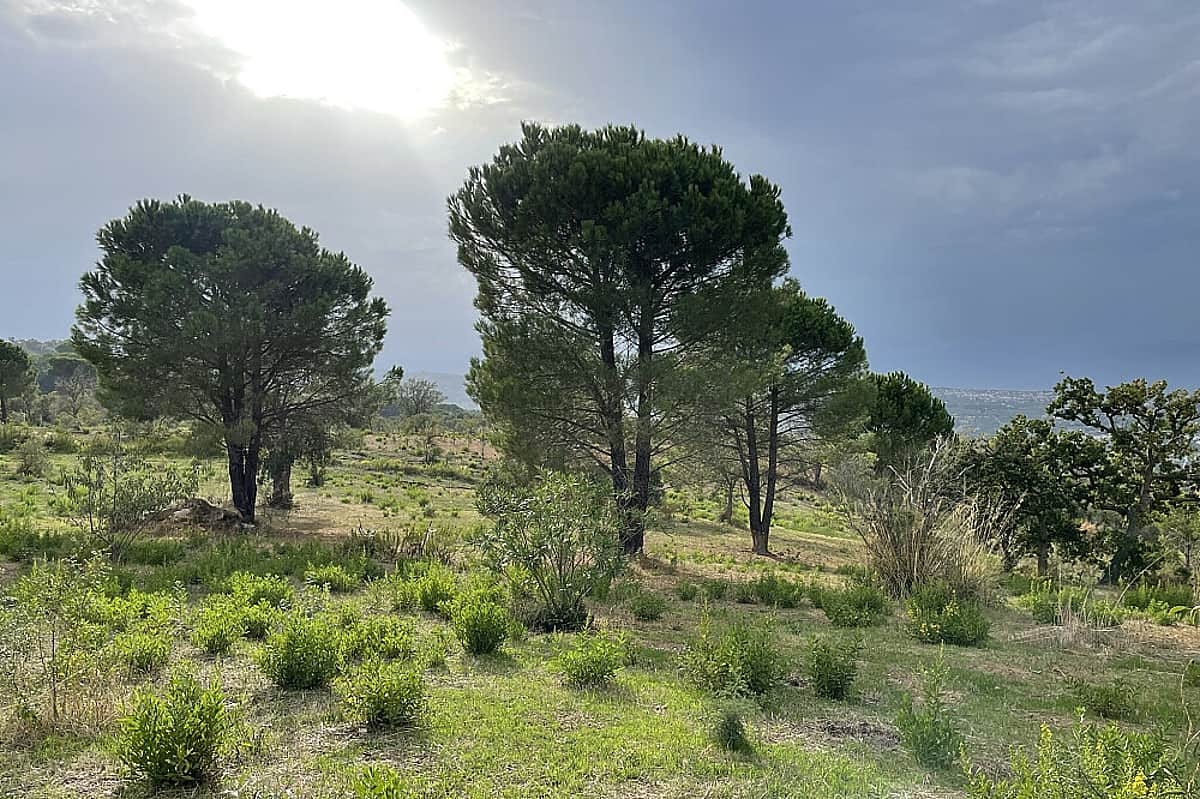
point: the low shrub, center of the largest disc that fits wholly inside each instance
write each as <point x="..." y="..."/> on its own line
<point x="853" y="606"/>
<point x="927" y="729"/>
<point x="771" y="589"/>
<point x="728" y="729"/>
<point x="1091" y="763"/>
<point x="435" y="587"/>
<point x="714" y="588"/>
<point x="647" y="606"/>
<point x="1191" y="674"/>
<point x="831" y="665"/>
<point x="331" y="576"/>
<point x="936" y="615"/>
<point x="32" y="458"/>
<point x="383" y="693"/>
<point x="737" y="660"/>
<point x="155" y="552"/>
<point x="254" y="589"/>
<point x="173" y="738"/>
<point x="11" y="436"/>
<point x="302" y="653"/>
<point x="1145" y="595"/>
<point x="1113" y="700"/>
<point x="61" y="442"/>
<point x="686" y="590"/>
<point x="435" y="647"/>
<point x="218" y="626"/>
<point x="258" y="620"/>
<point x="479" y="622"/>
<point x="378" y="637"/>
<point x="592" y="660"/>
<point x="141" y="652"/>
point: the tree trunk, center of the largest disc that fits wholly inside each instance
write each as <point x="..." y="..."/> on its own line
<point x="1043" y="559"/>
<point x="727" y="513"/>
<point x="243" y="478"/>
<point x="612" y="410"/>
<point x="281" y="482"/>
<point x="3" y="410"/>
<point x="635" y="537"/>
<point x="763" y="545"/>
<point x="753" y="479"/>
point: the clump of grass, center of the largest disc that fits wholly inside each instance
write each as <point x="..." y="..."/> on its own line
<point x="479" y="622"/>
<point x="384" y="637"/>
<point x="173" y="738"/>
<point x="714" y="588"/>
<point x="1113" y="700"/>
<point x="728" y="729"/>
<point x="141" y="652"/>
<point x="647" y="606"/>
<point x="592" y="660"/>
<point x="218" y="626"/>
<point x="686" y="590"/>
<point x="253" y="589"/>
<point x="831" y="666"/>
<point x="854" y="606"/>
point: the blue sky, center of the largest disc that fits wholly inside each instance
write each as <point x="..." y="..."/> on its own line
<point x="993" y="192"/>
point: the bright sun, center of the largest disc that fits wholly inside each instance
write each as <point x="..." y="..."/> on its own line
<point x="366" y="54"/>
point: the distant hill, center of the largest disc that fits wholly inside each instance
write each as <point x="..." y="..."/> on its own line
<point x="982" y="411"/>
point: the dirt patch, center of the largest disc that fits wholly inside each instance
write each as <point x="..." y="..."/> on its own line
<point x="833" y="732"/>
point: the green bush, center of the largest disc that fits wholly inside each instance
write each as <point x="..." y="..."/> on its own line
<point x="11" y="436"/>
<point x="142" y="652"/>
<point x="258" y="620"/>
<point x="173" y="739"/>
<point x="302" y="653"/>
<point x="853" y="606"/>
<point x="429" y="592"/>
<point x="1092" y="763"/>
<point x="592" y="660"/>
<point x="383" y="693"/>
<point x="647" y="606"/>
<point x="739" y="659"/>
<point x="218" y="626"/>
<point x="385" y="637"/>
<point x="728" y="729"/>
<point x="32" y="459"/>
<point x="771" y="589"/>
<point x="831" y="665"/>
<point x="1191" y="674"/>
<point x="556" y="539"/>
<point x="1113" y="700"/>
<point x="332" y="576"/>
<point x="61" y="442"/>
<point x="714" y="588"/>
<point x="927" y="729"/>
<point x="936" y="615"/>
<point x="1172" y="595"/>
<point x="155" y="552"/>
<point x="686" y="590"/>
<point x="254" y="589"/>
<point x="479" y="622"/>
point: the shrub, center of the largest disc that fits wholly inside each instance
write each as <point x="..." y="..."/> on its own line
<point x="253" y="589"/>
<point x="32" y="459"/>
<point x="142" y="652"/>
<point x="331" y="576"/>
<point x="647" y="606"/>
<point x="218" y="626"/>
<point x="557" y="539"/>
<point x="729" y="729"/>
<point x="831" y="666"/>
<point x="1114" y="700"/>
<point x="479" y="622"/>
<point x="1069" y="606"/>
<point x="737" y="660"/>
<point x="936" y="615"/>
<point x="258" y="620"/>
<point x="770" y="589"/>
<point x="62" y="442"/>
<point x="300" y="654"/>
<point x="435" y="647"/>
<point x="592" y="659"/>
<point x="429" y="592"/>
<point x="383" y="693"/>
<point x="854" y="606"/>
<point x="1092" y="763"/>
<point x="1142" y="596"/>
<point x="173" y="739"/>
<point x="686" y="590"/>
<point x="11" y="436"/>
<point x="383" y="637"/>
<point x="927" y="729"/>
<point x="714" y="588"/>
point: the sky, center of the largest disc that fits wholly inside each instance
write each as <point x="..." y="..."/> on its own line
<point x="992" y="192"/>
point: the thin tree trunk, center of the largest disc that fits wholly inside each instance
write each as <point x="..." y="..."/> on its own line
<point x="763" y="544"/>
<point x="612" y="410"/>
<point x="1043" y="559"/>
<point x="3" y="410"/>
<point x="727" y="513"/>
<point x="753" y="479"/>
<point x="635" y="538"/>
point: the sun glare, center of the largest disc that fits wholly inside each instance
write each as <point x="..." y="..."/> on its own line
<point x="365" y="54"/>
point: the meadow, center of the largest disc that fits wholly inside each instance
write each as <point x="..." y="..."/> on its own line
<point x="382" y="552"/>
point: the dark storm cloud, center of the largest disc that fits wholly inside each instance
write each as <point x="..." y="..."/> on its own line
<point x="992" y="192"/>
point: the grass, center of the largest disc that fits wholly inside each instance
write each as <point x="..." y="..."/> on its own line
<point x="506" y="725"/>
